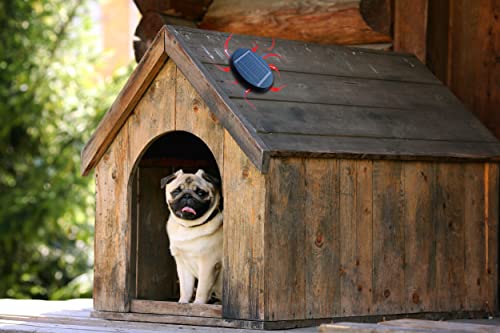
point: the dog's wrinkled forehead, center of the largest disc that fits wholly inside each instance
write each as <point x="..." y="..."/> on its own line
<point x="190" y="181"/>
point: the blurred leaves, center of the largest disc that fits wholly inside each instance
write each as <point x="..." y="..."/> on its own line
<point x="51" y="99"/>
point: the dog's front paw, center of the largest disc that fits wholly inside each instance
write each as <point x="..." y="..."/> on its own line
<point x="200" y="301"/>
<point x="183" y="301"/>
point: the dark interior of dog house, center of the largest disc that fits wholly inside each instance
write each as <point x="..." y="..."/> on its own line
<point x="155" y="276"/>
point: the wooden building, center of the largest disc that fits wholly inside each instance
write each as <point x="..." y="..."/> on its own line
<point x="363" y="188"/>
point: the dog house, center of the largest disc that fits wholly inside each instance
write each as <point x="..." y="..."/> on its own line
<point x="361" y="189"/>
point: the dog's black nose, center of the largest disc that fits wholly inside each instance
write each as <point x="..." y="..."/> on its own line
<point x="187" y="196"/>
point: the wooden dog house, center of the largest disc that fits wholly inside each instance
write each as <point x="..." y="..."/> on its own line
<point x="361" y="189"/>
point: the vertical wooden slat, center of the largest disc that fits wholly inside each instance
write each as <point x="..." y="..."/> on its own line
<point x="449" y="210"/>
<point x="112" y="230"/>
<point x="356" y="237"/>
<point x="156" y="270"/>
<point x="463" y="52"/>
<point x="132" y="274"/>
<point x="154" y="114"/>
<point x="474" y="234"/>
<point x="491" y="238"/>
<point x="193" y="115"/>
<point x="474" y="50"/>
<point x="322" y="239"/>
<point x="244" y="214"/>
<point x="420" y="239"/>
<point x="284" y="240"/>
<point x="388" y="238"/>
<point x="438" y="38"/>
<point x="410" y="27"/>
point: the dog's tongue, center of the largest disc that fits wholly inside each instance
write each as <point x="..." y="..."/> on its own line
<point x="189" y="210"/>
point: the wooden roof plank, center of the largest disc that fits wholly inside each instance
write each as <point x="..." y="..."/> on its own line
<point x="124" y="104"/>
<point x="356" y="121"/>
<point x="208" y="47"/>
<point x="286" y="145"/>
<point x="327" y="89"/>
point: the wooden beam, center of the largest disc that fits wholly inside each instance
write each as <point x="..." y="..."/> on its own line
<point x="410" y="27"/>
<point x="350" y="22"/>
<point x="188" y="9"/>
<point x="377" y="14"/>
<point x="338" y="22"/>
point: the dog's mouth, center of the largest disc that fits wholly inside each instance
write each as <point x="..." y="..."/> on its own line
<point x="188" y="210"/>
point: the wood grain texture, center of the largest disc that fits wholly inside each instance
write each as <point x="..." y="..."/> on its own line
<point x="463" y="52"/>
<point x="326" y="89"/>
<point x="491" y="239"/>
<point x="174" y="308"/>
<point x="244" y="218"/>
<point x="474" y="48"/>
<point x="311" y="58"/>
<point x="284" y="239"/>
<point x="282" y="145"/>
<point x="192" y="115"/>
<point x="476" y="287"/>
<point x="439" y="326"/>
<point x="356" y="231"/>
<point x="124" y="104"/>
<point x="112" y="229"/>
<point x="410" y="27"/>
<point x="357" y="121"/>
<point x="449" y="207"/>
<point x="419" y="181"/>
<point x="322" y="238"/>
<point x="407" y="326"/>
<point x="188" y="9"/>
<point x="388" y="237"/>
<point x="174" y="319"/>
<point x="317" y="21"/>
<point x="154" y="115"/>
<point x="378" y="14"/>
<point x="438" y="38"/>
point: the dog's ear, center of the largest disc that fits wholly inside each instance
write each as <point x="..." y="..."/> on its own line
<point x="209" y="178"/>
<point x="168" y="179"/>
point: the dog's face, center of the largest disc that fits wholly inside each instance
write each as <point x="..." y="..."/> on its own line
<point x="189" y="196"/>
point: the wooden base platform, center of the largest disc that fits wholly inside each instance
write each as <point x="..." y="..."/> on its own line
<point x="75" y="316"/>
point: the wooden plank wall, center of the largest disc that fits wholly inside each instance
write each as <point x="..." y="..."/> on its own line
<point x="357" y="237"/>
<point x="114" y="283"/>
<point x="171" y="103"/>
<point x="244" y="213"/>
<point x="458" y="39"/>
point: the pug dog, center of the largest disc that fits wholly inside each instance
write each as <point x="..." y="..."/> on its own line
<point x="194" y="229"/>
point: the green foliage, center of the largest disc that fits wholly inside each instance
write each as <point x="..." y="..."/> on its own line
<point x="51" y="100"/>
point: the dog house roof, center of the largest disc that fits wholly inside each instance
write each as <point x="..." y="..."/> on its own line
<point x="334" y="102"/>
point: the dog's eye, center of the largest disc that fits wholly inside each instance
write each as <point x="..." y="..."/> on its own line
<point x="201" y="193"/>
<point x="176" y="191"/>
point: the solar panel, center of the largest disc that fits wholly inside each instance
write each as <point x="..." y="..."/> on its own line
<point x="252" y="68"/>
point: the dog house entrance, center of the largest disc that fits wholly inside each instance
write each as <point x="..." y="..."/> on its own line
<point x="154" y="283"/>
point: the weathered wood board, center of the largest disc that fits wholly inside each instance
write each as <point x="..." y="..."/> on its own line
<point x="244" y="218"/>
<point x="412" y="237"/>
